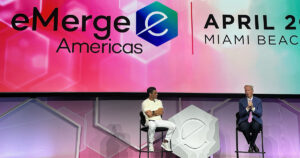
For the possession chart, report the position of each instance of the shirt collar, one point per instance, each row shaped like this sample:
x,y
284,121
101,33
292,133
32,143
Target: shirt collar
x,y
250,98
152,100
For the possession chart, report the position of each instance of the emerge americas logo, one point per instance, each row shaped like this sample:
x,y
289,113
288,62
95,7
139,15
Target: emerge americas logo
x,y
156,23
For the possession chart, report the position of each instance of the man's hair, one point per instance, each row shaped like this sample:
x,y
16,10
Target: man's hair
x,y
248,86
150,90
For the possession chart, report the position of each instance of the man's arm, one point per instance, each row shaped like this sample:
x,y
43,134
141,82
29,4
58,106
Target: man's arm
x,y
148,113
258,110
159,112
242,110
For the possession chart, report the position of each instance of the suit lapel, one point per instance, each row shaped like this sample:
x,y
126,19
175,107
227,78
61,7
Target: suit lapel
x,y
254,101
245,102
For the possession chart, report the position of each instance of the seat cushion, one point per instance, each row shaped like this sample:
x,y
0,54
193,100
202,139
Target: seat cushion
x,y
238,128
158,129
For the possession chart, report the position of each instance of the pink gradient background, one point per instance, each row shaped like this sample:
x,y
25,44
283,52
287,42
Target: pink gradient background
x,y
29,62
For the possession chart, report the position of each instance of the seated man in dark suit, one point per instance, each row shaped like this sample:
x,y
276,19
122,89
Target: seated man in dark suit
x,y
250,111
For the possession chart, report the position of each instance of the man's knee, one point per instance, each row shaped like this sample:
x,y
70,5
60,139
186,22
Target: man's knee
x,y
173,126
151,125
244,127
256,128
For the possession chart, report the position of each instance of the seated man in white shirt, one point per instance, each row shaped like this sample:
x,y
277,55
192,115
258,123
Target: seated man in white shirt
x,y
153,110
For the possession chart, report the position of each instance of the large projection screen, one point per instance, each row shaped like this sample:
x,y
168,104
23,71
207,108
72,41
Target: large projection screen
x,y
178,46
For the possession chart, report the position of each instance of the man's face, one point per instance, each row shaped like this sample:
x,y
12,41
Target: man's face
x,y
248,91
154,94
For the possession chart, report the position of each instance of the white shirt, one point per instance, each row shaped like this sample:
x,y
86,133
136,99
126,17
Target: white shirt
x,y
152,106
250,100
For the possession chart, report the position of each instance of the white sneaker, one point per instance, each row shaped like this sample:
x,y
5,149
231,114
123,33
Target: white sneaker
x,y
151,148
166,146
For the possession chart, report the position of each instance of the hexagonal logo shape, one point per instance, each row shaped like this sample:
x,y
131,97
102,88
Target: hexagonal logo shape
x,y
196,134
156,23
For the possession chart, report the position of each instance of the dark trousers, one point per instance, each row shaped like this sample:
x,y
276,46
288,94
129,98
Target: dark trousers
x,y
250,130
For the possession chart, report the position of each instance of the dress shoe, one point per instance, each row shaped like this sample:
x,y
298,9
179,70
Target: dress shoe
x,y
151,147
255,148
250,150
166,146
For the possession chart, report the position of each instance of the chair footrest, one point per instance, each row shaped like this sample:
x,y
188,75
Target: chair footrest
x,y
250,152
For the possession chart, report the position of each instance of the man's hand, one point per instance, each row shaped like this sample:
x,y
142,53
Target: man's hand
x,y
250,106
148,113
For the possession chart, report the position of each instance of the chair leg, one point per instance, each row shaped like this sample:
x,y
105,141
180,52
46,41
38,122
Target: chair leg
x,y
140,144
262,143
162,149
237,143
147,144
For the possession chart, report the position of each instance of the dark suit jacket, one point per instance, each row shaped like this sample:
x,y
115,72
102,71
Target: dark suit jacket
x,y
257,103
